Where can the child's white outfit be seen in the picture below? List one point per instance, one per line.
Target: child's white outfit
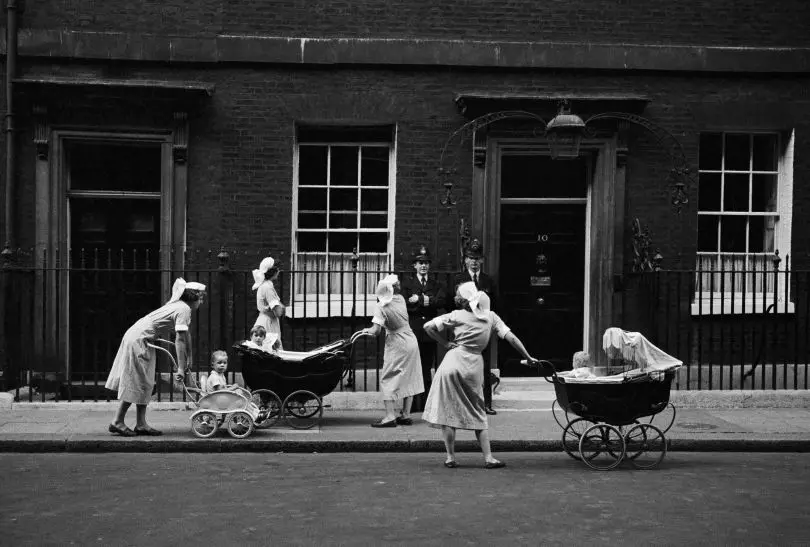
(266, 299)
(215, 379)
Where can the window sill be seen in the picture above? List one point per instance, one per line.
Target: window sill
(325, 307)
(729, 306)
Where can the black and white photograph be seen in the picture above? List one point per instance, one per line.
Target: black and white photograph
(405, 272)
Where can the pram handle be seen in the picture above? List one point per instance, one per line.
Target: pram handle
(542, 365)
(176, 368)
(358, 334)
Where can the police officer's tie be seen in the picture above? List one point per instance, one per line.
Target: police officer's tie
(475, 280)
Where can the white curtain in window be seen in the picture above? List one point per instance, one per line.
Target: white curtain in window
(332, 274)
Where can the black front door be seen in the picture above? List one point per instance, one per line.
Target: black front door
(114, 207)
(542, 258)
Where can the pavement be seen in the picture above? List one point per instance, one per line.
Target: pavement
(743, 421)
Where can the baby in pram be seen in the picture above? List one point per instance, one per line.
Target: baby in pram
(216, 380)
(259, 339)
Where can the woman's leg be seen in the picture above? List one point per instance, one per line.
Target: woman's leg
(140, 417)
(121, 414)
(483, 439)
(407, 402)
(390, 411)
(449, 434)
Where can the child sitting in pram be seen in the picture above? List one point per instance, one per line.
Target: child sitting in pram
(259, 339)
(216, 378)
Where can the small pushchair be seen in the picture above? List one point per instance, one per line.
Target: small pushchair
(608, 410)
(232, 408)
(292, 384)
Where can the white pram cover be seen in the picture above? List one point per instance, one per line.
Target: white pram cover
(629, 346)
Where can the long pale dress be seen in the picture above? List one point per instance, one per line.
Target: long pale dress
(456, 396)
(402, 370)
(133, 371)
(266, 299)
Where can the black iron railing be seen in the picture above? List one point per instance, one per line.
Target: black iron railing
(62, 320)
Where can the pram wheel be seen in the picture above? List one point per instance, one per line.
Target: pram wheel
(302, 409)
(269, 407)
(240, 425)
(204, 424)
(560, 415)
(646, 446)
(602, 447)
(665, 418)
(572, 433)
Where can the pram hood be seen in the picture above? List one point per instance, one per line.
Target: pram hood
(633, 346)
(652, 362)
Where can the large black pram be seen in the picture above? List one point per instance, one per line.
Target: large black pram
(292, 384)
(608, 409)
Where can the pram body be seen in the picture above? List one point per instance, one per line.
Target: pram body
(292, 384)
(606, 428)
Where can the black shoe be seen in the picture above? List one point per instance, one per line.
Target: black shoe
(488, 410)
(403, 421)
(391, 423)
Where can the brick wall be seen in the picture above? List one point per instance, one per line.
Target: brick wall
(718, 22)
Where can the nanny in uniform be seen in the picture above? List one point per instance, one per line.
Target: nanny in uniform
(456, 398)
(401, 375)
(133, 371)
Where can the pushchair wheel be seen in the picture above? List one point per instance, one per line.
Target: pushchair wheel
(664, 419)
(302, 409)
(204, 424)
(646, 446)
(560, 415)
(572, 433)
(269, 407)
(240, 425)
(602, 447)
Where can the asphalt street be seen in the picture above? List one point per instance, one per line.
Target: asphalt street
(368, 499)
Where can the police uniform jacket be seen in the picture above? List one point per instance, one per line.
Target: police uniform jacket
(418, 313)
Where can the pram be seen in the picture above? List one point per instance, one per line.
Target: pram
(607, 428)
(232, 408)
(292, 384)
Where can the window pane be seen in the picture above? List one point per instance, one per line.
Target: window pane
(709, 192)
(373, 220)
(120, 167)
(707, 233)
(374, 166)
(374, 200)
(344, 166)
(541, 177)
(764, 152)
(311, 242)
(711, 151)
(762, 229)
(342, 220)
(735, 193)
(373, 242)
(312, 199)
(312, 165)
(732, 234)
(343, 199)
(737, 152)
(763, 193)
(312, 220)
(342, 242)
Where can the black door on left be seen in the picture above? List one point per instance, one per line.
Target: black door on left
(115, 214)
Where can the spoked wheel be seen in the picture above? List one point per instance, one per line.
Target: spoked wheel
(560, 415)
(269, 407)
(664, 419)
(646, 446)
(204, 424)
(302, 409)
(572, 434)
(601, 447)
(240, 425)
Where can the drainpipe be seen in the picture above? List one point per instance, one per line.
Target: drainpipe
(11, 71)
